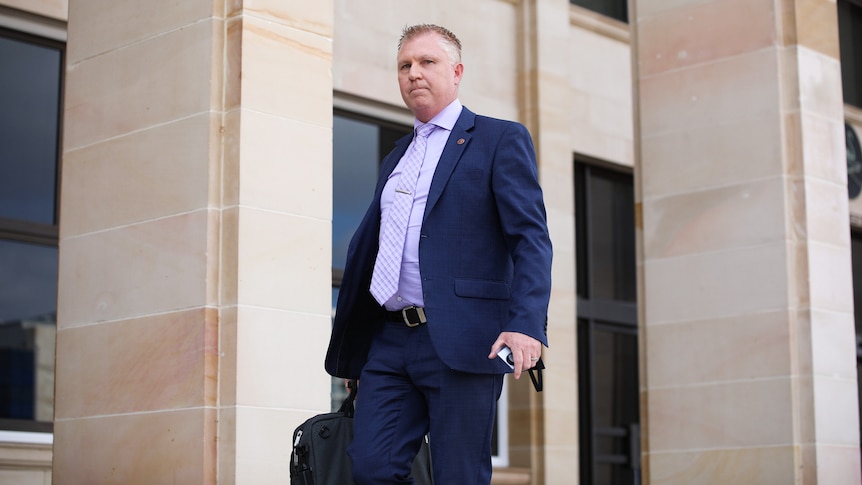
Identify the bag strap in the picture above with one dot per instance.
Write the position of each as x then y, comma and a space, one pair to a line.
536, 376
347, 407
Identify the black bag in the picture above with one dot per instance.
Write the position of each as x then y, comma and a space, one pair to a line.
319, 455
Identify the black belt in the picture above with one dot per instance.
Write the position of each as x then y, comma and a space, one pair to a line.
411, 316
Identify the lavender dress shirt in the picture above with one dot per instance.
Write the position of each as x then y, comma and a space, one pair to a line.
410, 281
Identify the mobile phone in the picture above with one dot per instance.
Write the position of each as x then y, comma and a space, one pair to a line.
506, 354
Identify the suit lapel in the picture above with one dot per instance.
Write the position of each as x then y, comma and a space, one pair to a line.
458, 141
390, 162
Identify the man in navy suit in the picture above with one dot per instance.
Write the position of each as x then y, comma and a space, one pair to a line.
475, 276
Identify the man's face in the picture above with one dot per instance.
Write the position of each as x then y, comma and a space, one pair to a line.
426, 76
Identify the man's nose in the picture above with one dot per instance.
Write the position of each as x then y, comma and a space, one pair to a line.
414, 72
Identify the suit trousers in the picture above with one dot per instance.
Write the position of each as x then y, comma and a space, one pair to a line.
405, 392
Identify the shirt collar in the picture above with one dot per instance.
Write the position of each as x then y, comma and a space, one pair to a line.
446, 118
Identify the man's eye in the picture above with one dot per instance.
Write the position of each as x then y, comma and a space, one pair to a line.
405, 66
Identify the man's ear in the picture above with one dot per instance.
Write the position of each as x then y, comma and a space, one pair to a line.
459, 73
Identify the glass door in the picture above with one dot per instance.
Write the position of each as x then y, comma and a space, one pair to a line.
607, 327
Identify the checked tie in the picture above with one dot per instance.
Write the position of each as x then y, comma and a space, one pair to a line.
387, 267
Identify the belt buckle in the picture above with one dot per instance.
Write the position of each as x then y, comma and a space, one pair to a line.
420, 315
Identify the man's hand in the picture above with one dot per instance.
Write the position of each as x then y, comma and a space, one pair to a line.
525, 350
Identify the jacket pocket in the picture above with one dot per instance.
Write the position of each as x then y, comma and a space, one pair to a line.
490, 289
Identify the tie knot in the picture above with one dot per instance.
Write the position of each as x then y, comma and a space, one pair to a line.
425, 129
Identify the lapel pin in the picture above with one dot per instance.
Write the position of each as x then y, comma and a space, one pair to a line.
460, 141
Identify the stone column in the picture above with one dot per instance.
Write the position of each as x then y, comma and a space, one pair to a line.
544, 426
745, 291
194, 287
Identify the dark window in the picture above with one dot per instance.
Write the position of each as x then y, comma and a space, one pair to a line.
30, 94
616, 9
359, 145
856, 247
850, 36
607, 327
606, 217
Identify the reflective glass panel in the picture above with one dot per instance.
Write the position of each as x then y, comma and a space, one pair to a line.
358, 148
616, 377
850, 38
611, 236
29, 120
28, 308
856, 251
356, 155
617, 9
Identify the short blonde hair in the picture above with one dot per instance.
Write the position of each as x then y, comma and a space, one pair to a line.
448, 41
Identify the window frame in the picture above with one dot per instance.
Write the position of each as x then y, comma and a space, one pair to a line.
596, 314
852, 74
35, 30
29, 231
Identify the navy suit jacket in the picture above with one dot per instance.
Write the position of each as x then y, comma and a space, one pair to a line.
484, 252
